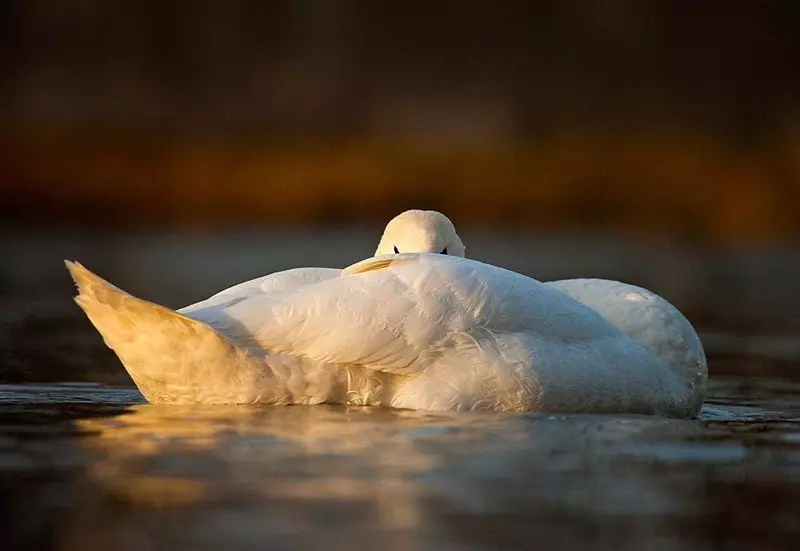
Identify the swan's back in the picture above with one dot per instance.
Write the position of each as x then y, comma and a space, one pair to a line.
413, 298
461, 335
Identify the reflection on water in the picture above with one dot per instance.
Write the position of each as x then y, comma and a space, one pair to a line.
97, 469
87, 467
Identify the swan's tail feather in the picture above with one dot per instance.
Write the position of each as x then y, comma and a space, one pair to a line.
173, 358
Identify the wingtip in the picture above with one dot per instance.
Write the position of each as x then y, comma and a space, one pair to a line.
81, 275
73, 265
75, 268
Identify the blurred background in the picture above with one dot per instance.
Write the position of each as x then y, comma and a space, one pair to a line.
180, 147
636, 116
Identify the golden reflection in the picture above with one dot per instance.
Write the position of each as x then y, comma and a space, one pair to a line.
208, 477
178, 456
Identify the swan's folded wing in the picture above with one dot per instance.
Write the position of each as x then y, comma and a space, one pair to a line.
278, 282
398, 314
387, 319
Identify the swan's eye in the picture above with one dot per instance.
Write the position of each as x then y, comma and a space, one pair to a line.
444, 251
395, 250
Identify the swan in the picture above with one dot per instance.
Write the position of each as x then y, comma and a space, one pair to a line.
413, 330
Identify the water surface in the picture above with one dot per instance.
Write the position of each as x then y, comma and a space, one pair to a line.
92, 467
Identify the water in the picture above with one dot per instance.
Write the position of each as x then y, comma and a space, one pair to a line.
85, 464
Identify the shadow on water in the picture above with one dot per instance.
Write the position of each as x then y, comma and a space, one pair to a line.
88, 466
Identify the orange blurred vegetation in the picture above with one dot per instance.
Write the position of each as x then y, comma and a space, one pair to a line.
676, 184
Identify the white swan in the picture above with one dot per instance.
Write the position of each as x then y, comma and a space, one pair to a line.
418, 331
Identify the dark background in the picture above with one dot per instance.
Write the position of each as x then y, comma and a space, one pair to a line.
678, 120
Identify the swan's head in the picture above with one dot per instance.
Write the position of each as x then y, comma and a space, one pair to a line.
420, 231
